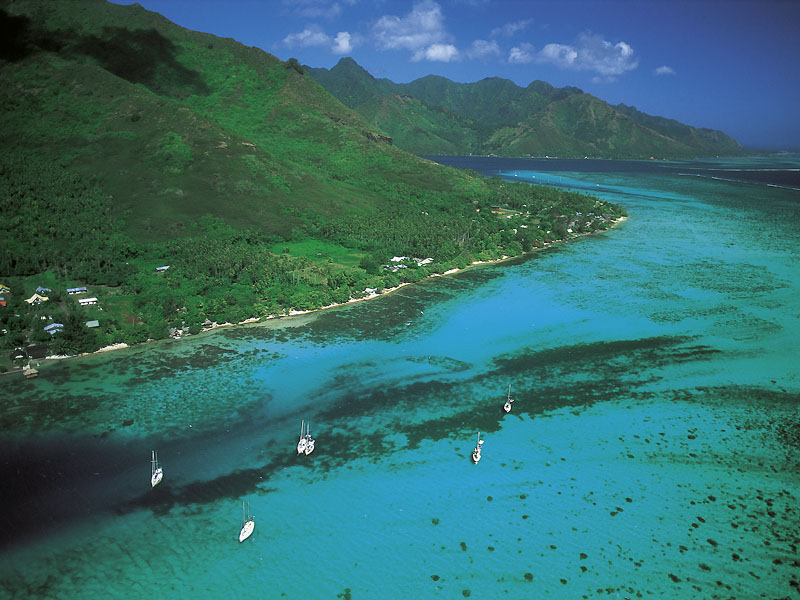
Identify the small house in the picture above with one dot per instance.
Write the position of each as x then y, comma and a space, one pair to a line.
164, 268
87, 301
36, 299
93, 324
18, 354
42, 290
2, 301
54, 327
4, 289
76, 290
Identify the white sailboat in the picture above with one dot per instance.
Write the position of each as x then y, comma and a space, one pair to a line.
248, 524
509, 401
476, 453
301, 444
309, 440
156, 472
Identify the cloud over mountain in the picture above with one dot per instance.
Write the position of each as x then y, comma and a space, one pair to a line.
483, 49
313, 35
343, 43
437, 52
421, 31
310, 36
590, 52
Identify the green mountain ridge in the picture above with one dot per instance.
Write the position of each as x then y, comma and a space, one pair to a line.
496, 116
131, 143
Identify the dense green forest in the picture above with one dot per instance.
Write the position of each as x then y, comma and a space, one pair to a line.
132, 145
219, 273
433, 115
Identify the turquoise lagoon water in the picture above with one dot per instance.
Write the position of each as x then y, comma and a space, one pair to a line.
651, 451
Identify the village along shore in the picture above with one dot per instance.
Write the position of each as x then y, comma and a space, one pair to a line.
369, 295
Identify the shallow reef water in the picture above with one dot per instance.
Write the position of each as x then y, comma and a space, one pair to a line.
652, 449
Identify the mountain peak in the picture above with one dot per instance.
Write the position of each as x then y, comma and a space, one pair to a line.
347, 62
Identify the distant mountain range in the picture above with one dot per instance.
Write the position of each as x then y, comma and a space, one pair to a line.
433, 115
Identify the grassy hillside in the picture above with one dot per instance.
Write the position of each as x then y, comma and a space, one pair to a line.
495, 116
131, 143
429, 130
212, 119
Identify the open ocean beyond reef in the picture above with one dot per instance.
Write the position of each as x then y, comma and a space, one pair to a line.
653, 450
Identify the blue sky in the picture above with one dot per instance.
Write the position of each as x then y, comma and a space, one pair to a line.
724, 64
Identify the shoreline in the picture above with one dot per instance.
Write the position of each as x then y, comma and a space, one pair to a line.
297, 313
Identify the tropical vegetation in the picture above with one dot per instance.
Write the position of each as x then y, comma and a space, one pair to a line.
184, 179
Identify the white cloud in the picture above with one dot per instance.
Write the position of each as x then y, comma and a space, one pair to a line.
437, 52
510, 29
483, 49
607, 79
310, 36
588, 53
421, 31
664, 70
325, 12
313, 35
315, 9
343, 43
605, 58
523, 54
560, 55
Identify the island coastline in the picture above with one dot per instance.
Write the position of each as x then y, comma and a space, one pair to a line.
298, 313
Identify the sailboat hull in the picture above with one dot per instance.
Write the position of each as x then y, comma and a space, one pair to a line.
247, 530
156, 478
